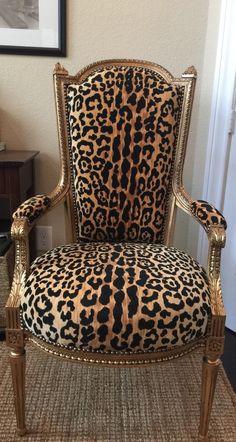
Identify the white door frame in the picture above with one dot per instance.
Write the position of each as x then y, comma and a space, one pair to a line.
217, 154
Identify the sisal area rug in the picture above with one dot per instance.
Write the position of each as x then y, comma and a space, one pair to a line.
72, 402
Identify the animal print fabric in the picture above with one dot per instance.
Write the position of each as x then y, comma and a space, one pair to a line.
123, 123
207, 214
116, 297
32, 208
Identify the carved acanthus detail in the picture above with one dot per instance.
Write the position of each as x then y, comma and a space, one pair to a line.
19, 232
216, 237
19, 228
17, 284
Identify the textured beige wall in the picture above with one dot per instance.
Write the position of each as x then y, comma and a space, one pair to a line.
170, 32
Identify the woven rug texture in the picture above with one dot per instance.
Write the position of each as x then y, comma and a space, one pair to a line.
77, 402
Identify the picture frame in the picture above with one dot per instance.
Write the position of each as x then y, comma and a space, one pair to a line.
33, 27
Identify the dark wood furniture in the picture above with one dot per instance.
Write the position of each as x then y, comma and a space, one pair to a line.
16, 185
16, 180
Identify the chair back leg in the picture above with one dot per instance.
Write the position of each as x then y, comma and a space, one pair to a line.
210, 370
17, 360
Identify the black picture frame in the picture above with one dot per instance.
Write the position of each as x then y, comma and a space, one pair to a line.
59, 51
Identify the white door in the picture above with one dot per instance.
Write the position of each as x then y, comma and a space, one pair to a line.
220, 172
228, 269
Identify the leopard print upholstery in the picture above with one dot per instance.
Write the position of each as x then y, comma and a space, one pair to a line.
123, 123
116, 297
32, 208
207, 214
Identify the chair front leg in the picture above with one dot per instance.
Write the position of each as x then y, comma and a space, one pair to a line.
210, 370
17, 360
211, 363
15, 340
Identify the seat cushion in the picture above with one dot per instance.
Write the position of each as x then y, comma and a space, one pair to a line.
116, 297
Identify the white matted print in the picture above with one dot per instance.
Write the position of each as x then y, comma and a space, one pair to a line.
35, 27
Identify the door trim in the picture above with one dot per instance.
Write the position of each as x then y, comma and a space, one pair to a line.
217, 154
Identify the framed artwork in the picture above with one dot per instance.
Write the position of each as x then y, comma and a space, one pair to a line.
33, 27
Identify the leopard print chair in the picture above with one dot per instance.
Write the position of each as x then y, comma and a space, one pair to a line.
118, 293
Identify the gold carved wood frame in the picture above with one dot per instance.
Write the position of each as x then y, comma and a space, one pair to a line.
177, 197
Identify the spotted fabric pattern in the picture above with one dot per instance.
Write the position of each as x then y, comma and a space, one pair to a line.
116, 297
123, 124
207, 214
32, 208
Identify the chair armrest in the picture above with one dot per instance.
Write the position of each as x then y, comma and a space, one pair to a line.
33, 208
207, 214
23, 220
215, 225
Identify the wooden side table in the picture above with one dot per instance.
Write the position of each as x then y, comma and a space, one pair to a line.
16, 179
16, 185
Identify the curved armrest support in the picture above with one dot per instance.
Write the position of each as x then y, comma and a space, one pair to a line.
206, 214
19, 232
215, 225
216, 238
24, 219
216, 235
33, 208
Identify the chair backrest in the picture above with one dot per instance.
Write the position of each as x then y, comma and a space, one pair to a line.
122, 128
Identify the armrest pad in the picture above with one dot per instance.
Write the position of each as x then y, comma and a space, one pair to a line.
32, 208
207, 214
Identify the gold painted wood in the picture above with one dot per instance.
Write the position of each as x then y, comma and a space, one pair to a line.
209, 376
19, 233
216, 235
17, 360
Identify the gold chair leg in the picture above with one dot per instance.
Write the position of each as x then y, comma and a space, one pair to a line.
17, 360
210, 370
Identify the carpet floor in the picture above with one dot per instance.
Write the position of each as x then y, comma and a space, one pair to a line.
73, 402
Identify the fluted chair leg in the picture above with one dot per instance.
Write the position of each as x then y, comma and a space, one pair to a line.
17, 360
209, 376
